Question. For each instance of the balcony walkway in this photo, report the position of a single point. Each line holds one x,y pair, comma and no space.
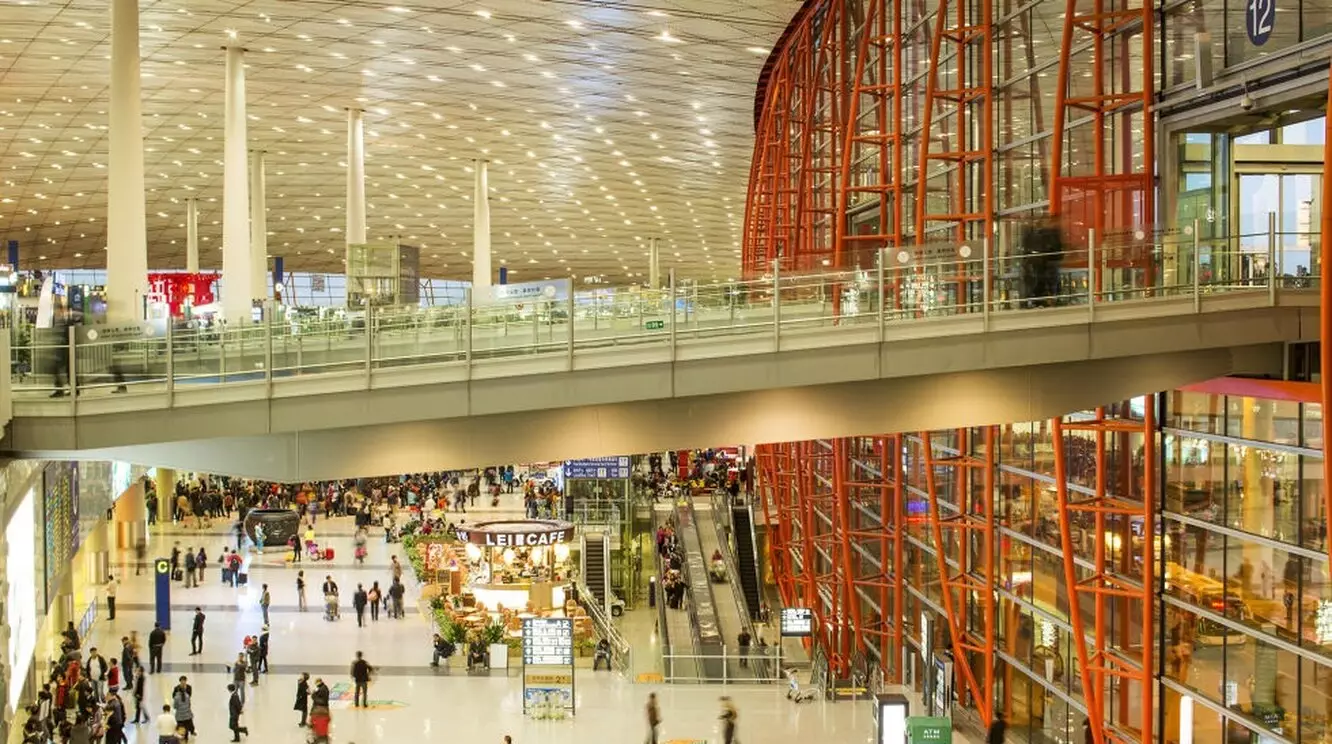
782,358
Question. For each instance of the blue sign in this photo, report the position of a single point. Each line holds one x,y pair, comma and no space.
1259,17
597,467
162,576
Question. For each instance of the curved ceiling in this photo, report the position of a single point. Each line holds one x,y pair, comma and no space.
606,124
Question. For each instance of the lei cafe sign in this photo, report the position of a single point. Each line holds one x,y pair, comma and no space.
517,534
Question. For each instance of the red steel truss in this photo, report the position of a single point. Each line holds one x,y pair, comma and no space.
830,504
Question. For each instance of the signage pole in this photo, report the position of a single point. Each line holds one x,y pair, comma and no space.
162,575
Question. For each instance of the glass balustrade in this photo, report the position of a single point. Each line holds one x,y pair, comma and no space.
906,287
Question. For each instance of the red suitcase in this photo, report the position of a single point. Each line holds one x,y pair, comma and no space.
328,554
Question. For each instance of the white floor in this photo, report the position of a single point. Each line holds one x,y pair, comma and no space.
409,698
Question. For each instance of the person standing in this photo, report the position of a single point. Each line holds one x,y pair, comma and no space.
235,707
359,600
111,584
96,667
191,568
265,599
156,640
115,720
319,697
200,563
360,674
395,592
182,698
166,725
653,718
128,661
303,698
196,634
998,727
728,720
262,666
374,597
300,590
743,640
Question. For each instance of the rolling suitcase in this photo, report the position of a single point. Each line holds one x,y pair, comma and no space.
328,554
242,578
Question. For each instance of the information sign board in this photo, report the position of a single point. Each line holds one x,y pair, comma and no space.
929,730
654,325
548,666
797,622
597,467
1259,17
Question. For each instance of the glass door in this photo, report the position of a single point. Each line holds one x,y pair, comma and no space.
1294,195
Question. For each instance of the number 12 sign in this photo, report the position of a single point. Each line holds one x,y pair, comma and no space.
1258,20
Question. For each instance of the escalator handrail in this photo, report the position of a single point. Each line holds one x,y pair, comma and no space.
753,547
732,568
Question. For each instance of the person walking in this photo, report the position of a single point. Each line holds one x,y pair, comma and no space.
653,718
265,599
235,707
998,727
303,698
361,672
196,633
359,600
728,720
111,584
395,592
140,556
138,693
238,669
396,568
743,640
156,640
262,666
182,699
300,590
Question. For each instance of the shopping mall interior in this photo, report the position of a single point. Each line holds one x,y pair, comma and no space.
796,370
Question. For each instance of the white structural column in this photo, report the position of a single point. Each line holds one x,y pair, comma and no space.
355,178
192,235
236,255
654,263
481,235
258,229
126,221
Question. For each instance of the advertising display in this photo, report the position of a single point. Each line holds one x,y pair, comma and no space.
62,522
892,713
548,667
20,574
597,467
797,622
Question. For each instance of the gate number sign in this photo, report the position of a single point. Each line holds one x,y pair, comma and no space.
1259,17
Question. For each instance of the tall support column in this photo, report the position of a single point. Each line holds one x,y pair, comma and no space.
481,233
236,253
654,263
126,222
258,229
192,235
355,231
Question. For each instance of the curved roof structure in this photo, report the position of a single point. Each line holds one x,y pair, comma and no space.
606,124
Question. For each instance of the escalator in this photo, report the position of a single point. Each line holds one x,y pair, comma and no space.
595,575
746,561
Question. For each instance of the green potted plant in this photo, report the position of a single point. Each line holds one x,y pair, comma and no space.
584,646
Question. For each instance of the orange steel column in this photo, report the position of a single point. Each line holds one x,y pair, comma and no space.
1325,309
1126,659
965,154
974,582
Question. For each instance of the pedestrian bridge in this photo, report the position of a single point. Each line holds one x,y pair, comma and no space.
601,373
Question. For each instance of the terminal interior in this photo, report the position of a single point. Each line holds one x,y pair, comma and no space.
832,370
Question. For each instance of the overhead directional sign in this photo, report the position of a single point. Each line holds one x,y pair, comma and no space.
597,467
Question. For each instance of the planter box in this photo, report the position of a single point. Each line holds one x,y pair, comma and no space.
499,656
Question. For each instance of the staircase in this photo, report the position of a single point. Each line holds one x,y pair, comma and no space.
595,550
746,560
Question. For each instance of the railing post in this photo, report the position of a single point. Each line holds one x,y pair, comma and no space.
369,342
569,308
467,321
883,303
1273,271
222,351
170,363
268,346
985,283
536,325
1092,277
670,300
1197,269
71,333
777,304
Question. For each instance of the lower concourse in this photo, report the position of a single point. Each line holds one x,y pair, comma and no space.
410,701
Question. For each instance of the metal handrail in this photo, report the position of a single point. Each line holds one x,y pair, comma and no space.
732,569
621,650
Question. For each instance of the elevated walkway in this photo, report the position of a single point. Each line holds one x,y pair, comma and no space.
775,360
